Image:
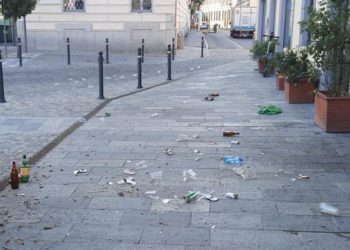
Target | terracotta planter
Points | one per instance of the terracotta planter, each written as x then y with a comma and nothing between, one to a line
261,65
279,82
300,92
332,114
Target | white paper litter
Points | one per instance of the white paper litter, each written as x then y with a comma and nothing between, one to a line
128,171
241,172
189,174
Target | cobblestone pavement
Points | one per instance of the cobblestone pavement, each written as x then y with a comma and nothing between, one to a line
275,209
46,96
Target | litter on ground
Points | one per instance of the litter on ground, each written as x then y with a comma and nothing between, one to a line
328,209
189,174
128,171
169,151
209,98
269,110
234,142
209,196
128,180
232,160
80,171
165,201
232,196
303,177
191,196
229,133
241,172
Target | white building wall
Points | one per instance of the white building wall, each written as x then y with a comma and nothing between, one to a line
48,26
275,17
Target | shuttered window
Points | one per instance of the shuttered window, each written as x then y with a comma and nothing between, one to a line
73,5
141,5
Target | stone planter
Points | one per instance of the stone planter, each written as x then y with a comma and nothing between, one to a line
279,82
332,114
300,92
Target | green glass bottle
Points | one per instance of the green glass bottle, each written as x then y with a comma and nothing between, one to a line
24,171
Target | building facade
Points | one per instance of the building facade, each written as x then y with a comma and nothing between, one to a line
282,17
220,11
89,22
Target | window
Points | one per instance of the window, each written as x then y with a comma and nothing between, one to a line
141,5
73,5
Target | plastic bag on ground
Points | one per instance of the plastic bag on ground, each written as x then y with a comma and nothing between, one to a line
269,110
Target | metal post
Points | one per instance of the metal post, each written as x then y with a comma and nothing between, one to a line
169,62
143,49
25,34
100,72
68,51
173,49
202,46
139,68
19,44
2,91
5,28
107,51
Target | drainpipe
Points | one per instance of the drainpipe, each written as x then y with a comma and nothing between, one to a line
175,23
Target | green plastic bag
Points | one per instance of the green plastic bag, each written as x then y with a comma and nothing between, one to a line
269,110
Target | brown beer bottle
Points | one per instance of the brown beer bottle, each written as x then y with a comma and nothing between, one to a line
230,133
14,176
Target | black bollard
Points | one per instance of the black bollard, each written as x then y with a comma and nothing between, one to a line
169,62
100,71
107,51
143,49
202,46
20,52
68,51
139,68
173,49
2,91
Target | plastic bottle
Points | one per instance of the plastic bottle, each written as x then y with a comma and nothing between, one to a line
14,176
24,171
232,160
328,209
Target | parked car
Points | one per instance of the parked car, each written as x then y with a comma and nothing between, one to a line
204,26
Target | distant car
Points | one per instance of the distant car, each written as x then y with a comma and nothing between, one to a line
204,26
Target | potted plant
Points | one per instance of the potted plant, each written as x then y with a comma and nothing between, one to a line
280,67
300,76
329,30
259,54
263,53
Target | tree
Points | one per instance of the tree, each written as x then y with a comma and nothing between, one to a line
195,4
16,9
329,29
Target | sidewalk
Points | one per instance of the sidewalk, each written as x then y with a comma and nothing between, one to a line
275,209
46,96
